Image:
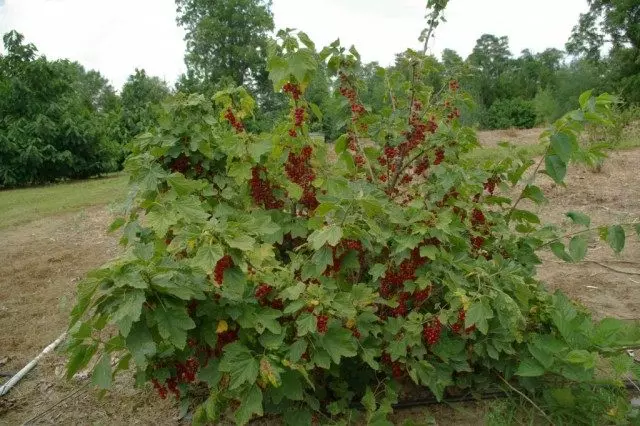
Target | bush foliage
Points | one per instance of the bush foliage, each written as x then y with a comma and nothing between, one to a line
265,274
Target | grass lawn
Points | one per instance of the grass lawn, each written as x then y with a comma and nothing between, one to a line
24,205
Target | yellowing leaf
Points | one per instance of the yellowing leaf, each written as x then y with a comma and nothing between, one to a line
222,327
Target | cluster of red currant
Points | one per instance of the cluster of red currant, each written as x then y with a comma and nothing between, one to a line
477,242
299,171
422,167
180,164
432,331
458,327
321,323
262,190
490,185
339,253
477,218
406,271
235,123
293,90
222,265
455,113
454,86
185,373
439,156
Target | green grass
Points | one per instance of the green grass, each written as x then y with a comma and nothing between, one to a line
19,206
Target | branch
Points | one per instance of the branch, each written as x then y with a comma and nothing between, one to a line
619,271
547,418
529,182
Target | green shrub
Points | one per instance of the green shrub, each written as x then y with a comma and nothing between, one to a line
508,113
262,275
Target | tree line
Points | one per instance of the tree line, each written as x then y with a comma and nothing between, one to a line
58,120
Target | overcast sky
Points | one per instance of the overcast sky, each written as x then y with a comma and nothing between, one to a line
116,36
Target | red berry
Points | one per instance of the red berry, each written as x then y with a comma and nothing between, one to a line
263,291
477,217
477,242
397,370
222,266
321,323
432,331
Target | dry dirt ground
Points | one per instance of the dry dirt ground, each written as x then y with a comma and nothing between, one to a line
40,263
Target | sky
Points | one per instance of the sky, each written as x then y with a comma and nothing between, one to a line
117,36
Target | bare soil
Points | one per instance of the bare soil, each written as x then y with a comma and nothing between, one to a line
41,262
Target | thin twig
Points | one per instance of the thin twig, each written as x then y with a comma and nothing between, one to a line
547,418
529,182
619,271
42,413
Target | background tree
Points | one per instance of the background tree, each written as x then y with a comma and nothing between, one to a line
226,39
140,96
54,118
614,22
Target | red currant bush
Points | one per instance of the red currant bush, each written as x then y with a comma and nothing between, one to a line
262,274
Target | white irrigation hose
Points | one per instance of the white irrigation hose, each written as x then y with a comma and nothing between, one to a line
20,374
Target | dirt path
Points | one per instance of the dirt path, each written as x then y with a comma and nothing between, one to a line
42,261
41,264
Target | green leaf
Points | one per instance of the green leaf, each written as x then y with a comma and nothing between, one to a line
240,171
234,283
378,270
238,361
555,168
160,219
616,238
321,259
562,146
578,248
316,111
329,234
302,65
530,368
341,144
581,357
210,374
250,404
478,314
534,193
207,256
541,355
181,287
584,98
241,242
259,148
191,209
296,350
525,216
579,218
430,252
101,375
339,342
140,343
294,190
298,417
80,357
184,186
305,324
173,323
559,250
129,310
116,224
292,386
304,38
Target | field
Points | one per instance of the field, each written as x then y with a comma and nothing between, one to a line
52,236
